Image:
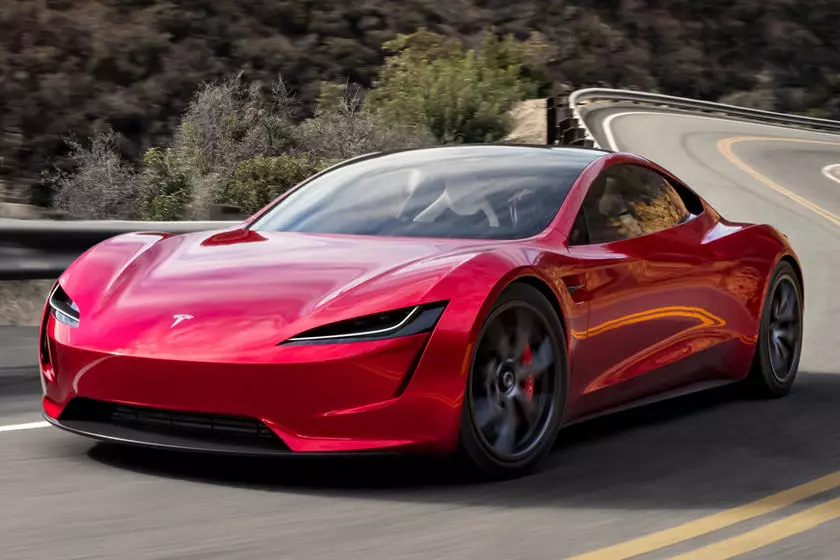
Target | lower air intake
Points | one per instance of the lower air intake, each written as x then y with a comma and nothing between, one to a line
160,425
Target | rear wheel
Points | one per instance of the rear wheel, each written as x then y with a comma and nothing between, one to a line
779,344
516,386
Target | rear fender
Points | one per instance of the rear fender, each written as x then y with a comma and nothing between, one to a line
757,249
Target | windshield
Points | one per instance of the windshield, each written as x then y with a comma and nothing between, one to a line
483,192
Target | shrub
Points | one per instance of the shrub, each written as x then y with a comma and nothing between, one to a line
101,185
166,182
231,121
345,126
225,124
236,145
261,179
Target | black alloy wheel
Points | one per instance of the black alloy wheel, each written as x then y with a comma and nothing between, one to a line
516,387
779,345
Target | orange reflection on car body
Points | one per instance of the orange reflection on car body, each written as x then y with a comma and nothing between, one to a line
706,319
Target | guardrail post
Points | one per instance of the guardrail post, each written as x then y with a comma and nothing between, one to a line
564,127
551,121
574,136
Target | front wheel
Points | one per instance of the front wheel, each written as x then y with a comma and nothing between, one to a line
779,344
516,386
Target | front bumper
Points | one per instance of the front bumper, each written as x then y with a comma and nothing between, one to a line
392,395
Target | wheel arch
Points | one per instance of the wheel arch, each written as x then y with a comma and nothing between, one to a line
797,269
545,289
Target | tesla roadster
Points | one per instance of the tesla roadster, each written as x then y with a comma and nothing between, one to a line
467,300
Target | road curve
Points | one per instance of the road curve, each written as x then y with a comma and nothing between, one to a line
636,483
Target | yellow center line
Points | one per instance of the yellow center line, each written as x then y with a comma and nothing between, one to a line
767,534
724,146
714,522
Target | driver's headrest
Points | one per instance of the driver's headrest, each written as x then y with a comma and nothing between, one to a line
612,203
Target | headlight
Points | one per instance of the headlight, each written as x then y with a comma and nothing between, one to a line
389,324
63,308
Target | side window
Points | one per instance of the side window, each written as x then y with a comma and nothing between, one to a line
628,201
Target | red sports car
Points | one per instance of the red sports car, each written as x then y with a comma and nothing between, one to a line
469,300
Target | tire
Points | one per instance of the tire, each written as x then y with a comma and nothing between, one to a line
498,437
774,371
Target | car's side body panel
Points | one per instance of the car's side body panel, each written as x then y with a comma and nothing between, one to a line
647,308
667,309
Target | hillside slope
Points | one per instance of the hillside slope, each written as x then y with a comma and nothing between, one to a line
66,66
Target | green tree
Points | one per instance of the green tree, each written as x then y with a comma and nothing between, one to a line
459,94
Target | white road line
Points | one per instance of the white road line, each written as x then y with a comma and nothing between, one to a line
832,172
607,126
18,427
613,145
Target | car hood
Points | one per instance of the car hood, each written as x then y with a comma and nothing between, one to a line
145,293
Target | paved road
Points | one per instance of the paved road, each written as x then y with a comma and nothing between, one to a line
608,482
19,384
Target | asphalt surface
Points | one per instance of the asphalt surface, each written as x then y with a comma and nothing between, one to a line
608,481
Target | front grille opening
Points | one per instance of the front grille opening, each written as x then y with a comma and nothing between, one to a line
205,427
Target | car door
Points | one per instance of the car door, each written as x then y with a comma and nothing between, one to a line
644,284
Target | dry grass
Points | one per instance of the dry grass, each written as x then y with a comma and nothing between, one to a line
528,119
21,302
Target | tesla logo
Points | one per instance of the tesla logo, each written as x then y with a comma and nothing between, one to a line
178,318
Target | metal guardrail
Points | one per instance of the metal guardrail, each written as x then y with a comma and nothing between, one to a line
43,249
566,126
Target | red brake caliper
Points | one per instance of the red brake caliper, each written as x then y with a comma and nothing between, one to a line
527,356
